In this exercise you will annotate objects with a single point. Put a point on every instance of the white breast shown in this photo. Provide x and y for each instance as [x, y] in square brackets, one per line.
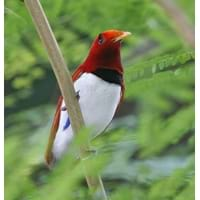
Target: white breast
[98, 101]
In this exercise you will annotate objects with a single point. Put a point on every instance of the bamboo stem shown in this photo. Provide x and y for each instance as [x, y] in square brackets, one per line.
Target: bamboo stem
[63, 77]
[182, 25]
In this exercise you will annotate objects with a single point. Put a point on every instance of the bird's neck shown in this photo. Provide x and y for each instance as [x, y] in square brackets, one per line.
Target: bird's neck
[107, 60]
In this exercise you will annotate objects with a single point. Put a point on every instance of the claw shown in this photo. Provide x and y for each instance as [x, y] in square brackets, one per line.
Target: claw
[77, 95]
[64, 108]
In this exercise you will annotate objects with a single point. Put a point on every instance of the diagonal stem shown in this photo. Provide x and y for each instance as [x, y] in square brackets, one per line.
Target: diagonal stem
[64, 79]
[182, 25]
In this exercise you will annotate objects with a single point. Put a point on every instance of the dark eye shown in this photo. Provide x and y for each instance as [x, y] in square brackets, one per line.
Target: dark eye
[100, 39]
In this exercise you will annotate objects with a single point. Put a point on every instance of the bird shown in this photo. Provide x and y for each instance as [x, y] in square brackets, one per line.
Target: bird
[99, 87]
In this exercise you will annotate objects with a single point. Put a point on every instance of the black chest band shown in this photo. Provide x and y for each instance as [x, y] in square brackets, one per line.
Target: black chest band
[111, 76]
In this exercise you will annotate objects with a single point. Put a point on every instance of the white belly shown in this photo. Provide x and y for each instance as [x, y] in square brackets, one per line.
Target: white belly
[98, 101]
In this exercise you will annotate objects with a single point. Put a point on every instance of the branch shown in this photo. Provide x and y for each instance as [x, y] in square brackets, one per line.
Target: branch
[182, 25]
[63, 77]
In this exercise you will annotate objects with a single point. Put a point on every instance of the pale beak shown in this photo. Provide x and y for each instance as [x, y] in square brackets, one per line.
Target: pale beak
[122, 36]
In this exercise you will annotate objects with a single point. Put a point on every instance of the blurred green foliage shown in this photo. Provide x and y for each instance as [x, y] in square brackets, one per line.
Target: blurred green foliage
[148, 151]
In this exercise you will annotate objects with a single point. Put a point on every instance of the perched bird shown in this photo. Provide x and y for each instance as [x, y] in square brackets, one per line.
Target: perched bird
[99, 85]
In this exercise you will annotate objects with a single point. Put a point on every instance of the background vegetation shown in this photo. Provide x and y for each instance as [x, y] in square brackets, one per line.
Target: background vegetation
[148, 151]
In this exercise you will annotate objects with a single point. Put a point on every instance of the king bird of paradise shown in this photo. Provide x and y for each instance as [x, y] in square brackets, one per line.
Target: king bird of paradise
[99, 86]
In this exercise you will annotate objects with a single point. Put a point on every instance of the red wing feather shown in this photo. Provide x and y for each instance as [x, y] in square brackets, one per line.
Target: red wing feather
[77, 73]
[54, 128]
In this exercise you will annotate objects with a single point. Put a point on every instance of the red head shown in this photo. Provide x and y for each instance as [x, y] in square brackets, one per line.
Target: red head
[105, 52]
